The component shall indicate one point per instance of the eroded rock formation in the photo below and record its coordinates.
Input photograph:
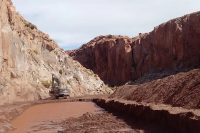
(173, 45)
(28, 57)
(108, 56)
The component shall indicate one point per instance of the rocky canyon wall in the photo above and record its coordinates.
(28, 57)
(173, 46)
(108, 56)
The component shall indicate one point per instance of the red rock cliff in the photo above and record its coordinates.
(108, 56)
(170, 46)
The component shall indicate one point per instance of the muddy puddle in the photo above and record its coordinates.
(44, 118)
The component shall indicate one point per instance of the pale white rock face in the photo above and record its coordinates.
(28, 58)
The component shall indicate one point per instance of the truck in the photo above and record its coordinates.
(56, 90)
(64, 93)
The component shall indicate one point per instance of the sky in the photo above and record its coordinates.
(72, 23)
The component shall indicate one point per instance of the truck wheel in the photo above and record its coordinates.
(66, 97)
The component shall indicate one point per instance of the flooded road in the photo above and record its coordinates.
(45, 118)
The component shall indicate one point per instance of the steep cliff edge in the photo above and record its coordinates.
(28, 57)
(171, 46)
(108, 56)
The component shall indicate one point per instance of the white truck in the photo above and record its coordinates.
(57, 91)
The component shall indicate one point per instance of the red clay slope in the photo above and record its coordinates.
(182, 89)
(173, 45)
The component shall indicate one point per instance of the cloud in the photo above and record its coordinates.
(74, 22)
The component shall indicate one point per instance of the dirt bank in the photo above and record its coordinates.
(107, 123)
(173, 118)
(45, 117)
(181, 89)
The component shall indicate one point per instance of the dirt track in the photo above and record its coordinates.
(67, 117)
(174, 119)
(86, 117)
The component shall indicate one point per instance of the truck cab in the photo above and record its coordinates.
(57, 89)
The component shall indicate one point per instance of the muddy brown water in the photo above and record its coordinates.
(44, 118)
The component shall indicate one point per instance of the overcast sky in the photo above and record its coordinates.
(72, 23)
